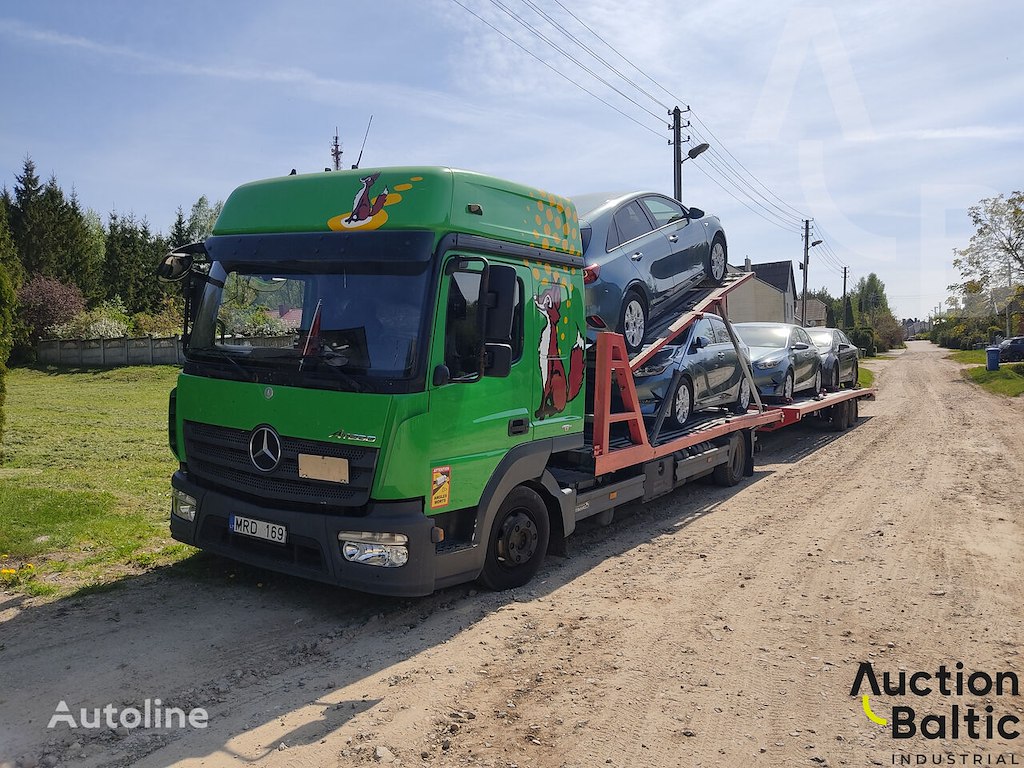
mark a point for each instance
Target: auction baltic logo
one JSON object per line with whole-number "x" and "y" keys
{"x": 152, "y": 715}
{"x": 947, "y": 719}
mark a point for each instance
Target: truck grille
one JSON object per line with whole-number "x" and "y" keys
{"x": 220, "y": 457}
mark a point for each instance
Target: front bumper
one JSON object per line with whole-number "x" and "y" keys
{"x": 313, "y": 550}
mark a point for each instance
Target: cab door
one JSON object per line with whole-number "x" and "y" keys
{"x": 473, "y": 420}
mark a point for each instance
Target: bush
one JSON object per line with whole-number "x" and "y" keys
{"x": 109, "y": 320}
{"x": 44, "y": 302}
{"x": 166, "y": 322}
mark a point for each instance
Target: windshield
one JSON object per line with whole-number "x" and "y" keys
{"x": 346, "y": 323}
{"x": 763, "y": 335}
{"x": 821, "y": 339}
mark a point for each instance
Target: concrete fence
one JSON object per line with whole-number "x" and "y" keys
{"x": 147, "y": 350}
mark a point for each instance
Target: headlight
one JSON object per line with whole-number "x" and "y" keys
{"x": 387, "y": 550}
{"x": 183, "y": 505}
{"x": 651, "y": 370}
{"x": 766, "y": 364}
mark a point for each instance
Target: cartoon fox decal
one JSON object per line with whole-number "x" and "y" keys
{"x": 558, "y": 388}
{"x": 362, "y": 207}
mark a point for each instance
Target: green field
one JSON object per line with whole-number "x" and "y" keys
{"x": 1008, "y": 380}
{"x": 969, "y": 356}
{"x": 865, "y": 376}
{"x": 84, "y": 481}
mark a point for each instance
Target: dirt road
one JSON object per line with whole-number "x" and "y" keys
{"x": 714, "y": 627}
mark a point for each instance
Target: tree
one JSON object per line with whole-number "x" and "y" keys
{"x": 132, "y": 253}
{"x": 27, "y": 219}
{"x": 202, "y": 218}
{"x": 8, "y": 260}
{"x": 180, "y": 232}
{"x": 996, "y": 249}
{"x": 869, "y": 295}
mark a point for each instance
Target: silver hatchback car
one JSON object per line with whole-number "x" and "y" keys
{"x": 641, "y": 250}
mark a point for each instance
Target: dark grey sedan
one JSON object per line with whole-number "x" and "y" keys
{"x": 711, "y": 374}
{"x": 784, "y": 359}
{"x": 838, "y": 357}
{"x": 641, "y": 250}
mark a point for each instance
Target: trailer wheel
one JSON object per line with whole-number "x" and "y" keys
{"x": 840, "y": 418}
{"x": 730, "y": 473}
{"x": 517, "y": 541}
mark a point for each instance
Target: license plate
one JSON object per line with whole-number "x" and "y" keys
{"x": 258, "y": 529}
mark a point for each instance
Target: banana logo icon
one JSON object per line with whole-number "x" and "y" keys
{"x": 866, "y": 704}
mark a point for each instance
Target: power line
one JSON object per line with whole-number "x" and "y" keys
{"x": 532, "y": 30}
{"x": 556, "y": 71}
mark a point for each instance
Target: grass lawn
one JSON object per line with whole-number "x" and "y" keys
{"x": 84, "y": 481}
{"x": 969, "y": 356}
{"x": 865, "y": 376}
{"x": 1008, "y": 380}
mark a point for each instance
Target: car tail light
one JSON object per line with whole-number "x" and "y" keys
{"x": 595, "y": 322}
{"x": 591, "y": 273}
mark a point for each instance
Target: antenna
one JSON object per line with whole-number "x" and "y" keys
{"x": 336, "y": 151}
{"x": 360, "y": 158}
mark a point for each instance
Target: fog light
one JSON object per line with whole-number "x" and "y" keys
{"x": 183, "y": 505}
{"x": 386, "y": 550}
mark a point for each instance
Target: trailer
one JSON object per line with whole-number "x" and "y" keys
{"x": 428, "y": 412}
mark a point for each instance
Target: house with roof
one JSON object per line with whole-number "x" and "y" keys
{"x": 769, "y": 297}
{"x": 817, "y": 314}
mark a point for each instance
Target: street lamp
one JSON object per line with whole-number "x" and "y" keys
{"x": 690, "y": 154}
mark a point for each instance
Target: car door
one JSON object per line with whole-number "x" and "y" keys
{"x": 701, "y": 359}
{"x": 727, "y": 372}
{"x": 847, "y": 355}
{"x": 805, "y": 361}
{"x": 634, "y": 240}
{"x": 688, "y": 242}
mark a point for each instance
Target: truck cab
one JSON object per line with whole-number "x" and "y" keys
{"x": 379, "y": 365}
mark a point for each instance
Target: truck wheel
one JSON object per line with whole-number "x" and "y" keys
{"x": 517, "y": 542}
{"x": 730, "y": 473}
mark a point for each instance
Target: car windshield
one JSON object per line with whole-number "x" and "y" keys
{"x": 821, "y": 339}
{"x": 763, "y": 335}
{"x": 342, "y": 323}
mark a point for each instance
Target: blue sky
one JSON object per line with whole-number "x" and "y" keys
{"x": 882, "y": 123}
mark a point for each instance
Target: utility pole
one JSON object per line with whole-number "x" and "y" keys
{"x": 807, "y": 250}
{"x": 677, "y": 153}
{"x": 846, "y": 271}
{"x": 336, "y": 151}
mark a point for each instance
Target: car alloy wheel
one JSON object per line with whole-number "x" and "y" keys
{"x": 634, "y": 322}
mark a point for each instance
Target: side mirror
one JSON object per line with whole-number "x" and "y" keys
{"x": 497, "y": 360}
{"x": 500, "y": 303}
{"x": 700, "y": 342}
{"x": 697, "y": 213}
{"x": 174, "y": 267}
{"x": 178, "y": 263}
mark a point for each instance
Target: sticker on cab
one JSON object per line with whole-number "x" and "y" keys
{"x": 440, "y": 486}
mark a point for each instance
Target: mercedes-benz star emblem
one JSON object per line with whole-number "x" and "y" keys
{"x": 265, "y": 449}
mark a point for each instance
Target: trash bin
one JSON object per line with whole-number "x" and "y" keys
{"x": 992, "y": 356}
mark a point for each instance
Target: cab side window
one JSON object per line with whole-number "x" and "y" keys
{"x": 462, "y": 342}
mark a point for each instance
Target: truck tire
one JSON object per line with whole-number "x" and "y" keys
{"x": 517, "y": 542}
{"x": 730, "y": 473}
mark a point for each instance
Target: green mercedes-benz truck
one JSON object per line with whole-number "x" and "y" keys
{"x": 379, "y": 366}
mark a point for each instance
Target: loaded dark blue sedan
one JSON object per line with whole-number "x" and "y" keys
{"x": 641, "y": 250}
{"x": 839, "y": 357}
{"x": 710, "y": 374}
{"x": 784, "y": 360}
